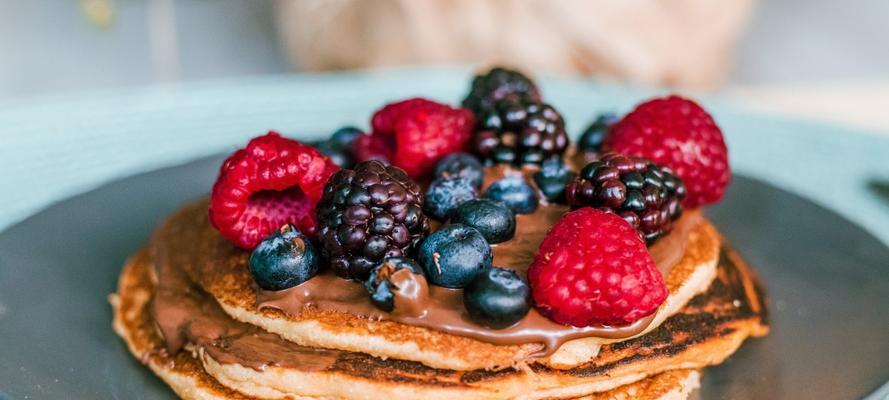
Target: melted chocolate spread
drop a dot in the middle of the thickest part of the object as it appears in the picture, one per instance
(185, 314)
(442, 308)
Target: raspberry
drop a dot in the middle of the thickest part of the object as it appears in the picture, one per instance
(367, 214)
(496, 84)
(271, 182)
(639, 191)
(593, 269)
(679, 134)
(414, 134)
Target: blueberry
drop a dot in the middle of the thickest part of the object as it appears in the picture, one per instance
(497, 298)
(461, 165)
(339, 154)
(444, 195)
(345, 135)
(339, 146)
(515, 193)
(453, 255)
(495, 221)
(284, 259)
(380, 285)
(552, 178)
(592, 138)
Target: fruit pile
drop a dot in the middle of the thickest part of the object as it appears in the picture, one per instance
(363, 204)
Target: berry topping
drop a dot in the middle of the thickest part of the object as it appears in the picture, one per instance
(444, 195)
(644, 194)
(679, 134)
(552, 178)
(592, 138)
(515, 193)
(491, 218)
(453, 255)
(520, 131)
(496, 84)
(414, 134)
(339, 146)
(367, 214)
(593, 269)
(462, 165)
(284, 259)
(271, 182)
(497, 298)
(396, 275)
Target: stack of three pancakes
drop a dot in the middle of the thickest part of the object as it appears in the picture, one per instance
(188, 309)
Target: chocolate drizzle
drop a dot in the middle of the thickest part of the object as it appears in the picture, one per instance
(185, 314)
(443, 309)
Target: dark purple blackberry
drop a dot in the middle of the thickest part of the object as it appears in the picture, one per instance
(520, 131)
(367, 214)
(643, 193)
(496, 84)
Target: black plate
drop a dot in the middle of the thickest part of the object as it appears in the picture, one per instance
(827, 279)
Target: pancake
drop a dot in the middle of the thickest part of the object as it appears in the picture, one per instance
(188, 240)
(708, 329)
(185, 375)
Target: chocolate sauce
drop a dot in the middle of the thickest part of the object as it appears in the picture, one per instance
(443, 309)
(185, 314)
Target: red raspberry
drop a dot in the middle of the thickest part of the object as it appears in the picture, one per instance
(677, 133)
(271, 182)
(414, 134)
(593, 269)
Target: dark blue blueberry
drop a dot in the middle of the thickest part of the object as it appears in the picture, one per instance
(495, 221)
(380, 285)
(592, 138)
(284, 259)
(339, 154)
(552, 178)
(497, 298)
(453, 255)
(345, 135)
(444, 195)
(515, 193)
(339, 146)
(462, 165)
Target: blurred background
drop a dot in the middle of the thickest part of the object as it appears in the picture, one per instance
(109, 88)
(818, 58)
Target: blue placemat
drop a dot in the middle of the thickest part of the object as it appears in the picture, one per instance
(52, 147)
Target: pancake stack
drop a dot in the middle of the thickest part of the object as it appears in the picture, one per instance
(233, 349)
(579, 275)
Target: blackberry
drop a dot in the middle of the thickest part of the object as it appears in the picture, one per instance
(367, 214)
(641, 192)
(496, 84)
(520, 131)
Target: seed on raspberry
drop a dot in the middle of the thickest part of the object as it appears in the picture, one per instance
(520, 130)
(496, 84)
(271, 182)
(644, 194)
(367, 214)
(593, 269)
